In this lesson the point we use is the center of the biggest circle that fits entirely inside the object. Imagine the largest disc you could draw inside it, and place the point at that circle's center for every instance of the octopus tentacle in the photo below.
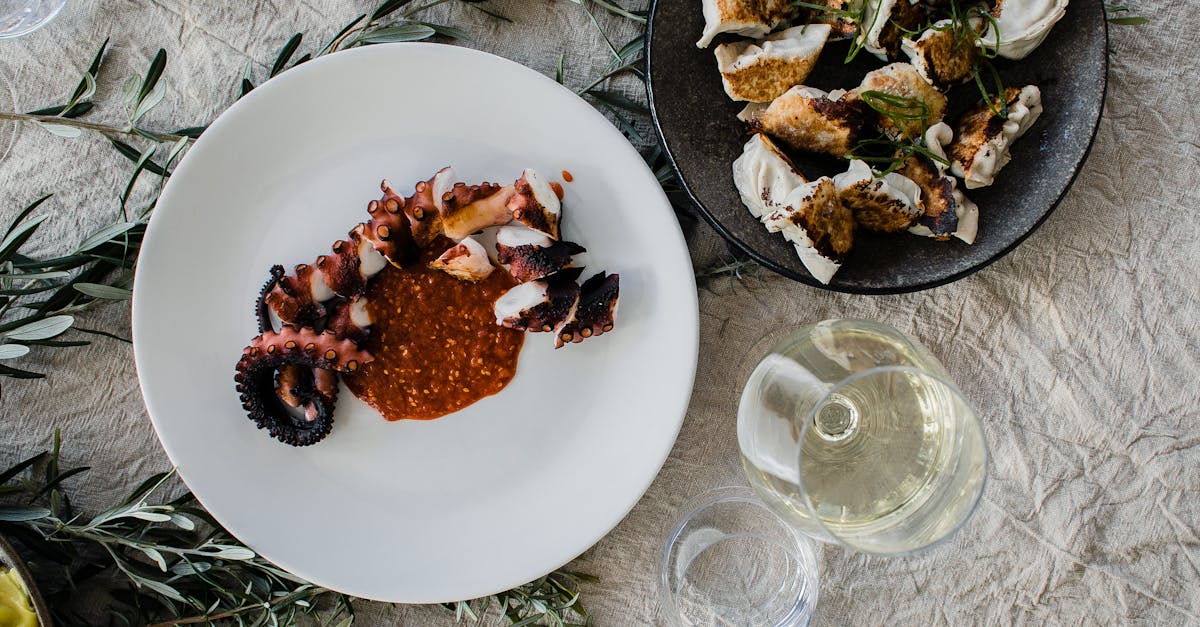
(424, 208)
(261, 312)
(596, 313)
(530, 255)
(299, 298)
(466, 261)
(536, 204)
(470, 208)
(540, 306)
(350, 320)
(389, 230)
(256, 381)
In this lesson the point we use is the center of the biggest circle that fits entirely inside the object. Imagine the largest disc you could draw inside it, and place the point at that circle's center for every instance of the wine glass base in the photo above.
(23, 17)
(732, 561)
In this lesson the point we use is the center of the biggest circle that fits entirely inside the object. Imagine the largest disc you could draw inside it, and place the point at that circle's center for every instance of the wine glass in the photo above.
(854, 433)
(21, 17)
(849, 433)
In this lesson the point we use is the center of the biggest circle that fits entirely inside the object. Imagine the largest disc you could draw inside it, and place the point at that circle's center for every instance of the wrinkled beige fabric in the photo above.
(1081, 348)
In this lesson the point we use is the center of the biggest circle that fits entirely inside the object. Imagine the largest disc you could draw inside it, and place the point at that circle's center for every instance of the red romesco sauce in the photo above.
(566, 176)
(435, 340)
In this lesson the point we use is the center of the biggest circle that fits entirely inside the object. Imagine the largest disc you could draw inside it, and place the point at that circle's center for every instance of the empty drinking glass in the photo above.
(21, 17)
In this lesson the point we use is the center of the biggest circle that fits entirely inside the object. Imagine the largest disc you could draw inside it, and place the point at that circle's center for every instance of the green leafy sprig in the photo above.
(1119, 16)
(177, 566)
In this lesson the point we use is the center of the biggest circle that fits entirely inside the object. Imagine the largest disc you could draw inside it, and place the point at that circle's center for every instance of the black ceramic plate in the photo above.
(698, 126)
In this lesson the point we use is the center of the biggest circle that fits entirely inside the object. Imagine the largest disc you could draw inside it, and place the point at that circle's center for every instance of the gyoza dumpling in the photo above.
(752, 18)
(841, 26)
(1023, 25)
(806, 118)
(945, 211)
(981, 145)
(764, 176)
(884, 23)
(888, 203)
(903, 80)
(762, 71)
(818, 226)
(941, 57)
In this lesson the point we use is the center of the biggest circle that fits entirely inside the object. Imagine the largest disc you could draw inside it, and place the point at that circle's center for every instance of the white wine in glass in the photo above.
(854, 433)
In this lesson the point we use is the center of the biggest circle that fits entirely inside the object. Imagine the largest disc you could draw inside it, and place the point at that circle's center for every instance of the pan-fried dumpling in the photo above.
(1023, 25)
(841, 26)
(818, 226)
(884, 23)
(945, 211)
(762, 71)
(981, 145)
(806, 118)
(752, 18)
(940, 57)
(903, 80)
(764, 176)
(887, 203)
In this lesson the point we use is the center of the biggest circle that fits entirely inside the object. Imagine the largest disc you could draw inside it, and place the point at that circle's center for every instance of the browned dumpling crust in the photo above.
(937, 196)
(903, 80)
(905, 16)
(810, 120)
(941, 58)
(829, 224)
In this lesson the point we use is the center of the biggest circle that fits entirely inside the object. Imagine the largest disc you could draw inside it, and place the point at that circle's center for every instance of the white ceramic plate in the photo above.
(476, 502)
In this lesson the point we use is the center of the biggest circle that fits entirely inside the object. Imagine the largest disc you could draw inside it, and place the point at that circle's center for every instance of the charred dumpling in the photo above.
(841, 27)
(888, 203)
(764, 176)
(982, 138)
(762, 71)
(945, 211)
(817, 224)
(901, 80)
(808, 119)
(752, 18)
(941, 57)
(884, 23)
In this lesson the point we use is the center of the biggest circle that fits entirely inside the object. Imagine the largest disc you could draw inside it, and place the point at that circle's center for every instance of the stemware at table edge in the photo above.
(21, 17)
(853, 433)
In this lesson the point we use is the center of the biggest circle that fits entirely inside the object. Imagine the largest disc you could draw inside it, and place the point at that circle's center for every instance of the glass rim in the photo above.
(836, 388)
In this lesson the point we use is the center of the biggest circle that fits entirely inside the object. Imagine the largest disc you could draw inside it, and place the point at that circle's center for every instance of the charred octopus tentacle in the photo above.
(287, 380)
(256, 380)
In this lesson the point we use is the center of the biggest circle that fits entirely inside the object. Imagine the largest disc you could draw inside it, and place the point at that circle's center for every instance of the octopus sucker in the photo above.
(256, 377)
(542, 305)
(596, 312)
(389, 230)
(530, 255)
(535, 203)
(423, 208)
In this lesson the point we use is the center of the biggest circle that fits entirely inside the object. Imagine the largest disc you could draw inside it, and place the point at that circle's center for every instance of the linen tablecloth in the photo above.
(1080, 348)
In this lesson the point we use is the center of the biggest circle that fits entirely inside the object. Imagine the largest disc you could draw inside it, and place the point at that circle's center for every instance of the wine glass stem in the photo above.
(836, 419)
